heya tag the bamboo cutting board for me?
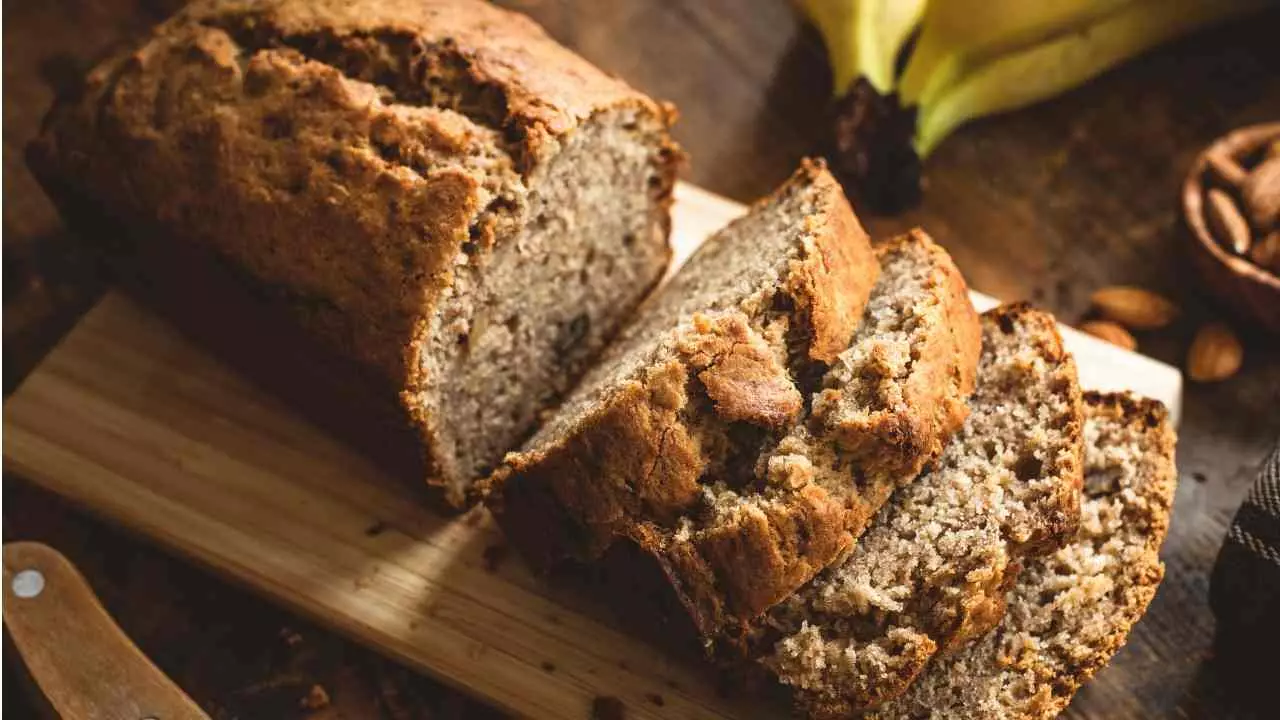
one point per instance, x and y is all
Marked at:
(131, 421)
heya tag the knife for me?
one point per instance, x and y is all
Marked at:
(81, 663)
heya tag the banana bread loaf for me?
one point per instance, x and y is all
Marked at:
(433, 188)
(932, 570)
(1068, 613)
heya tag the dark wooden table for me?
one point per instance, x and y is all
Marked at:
(1045, 204)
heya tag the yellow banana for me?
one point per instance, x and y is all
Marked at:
(863, 37)
(956, 34)
(971, 58)
(1018, 75)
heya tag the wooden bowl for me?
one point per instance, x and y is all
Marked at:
(1247, 289)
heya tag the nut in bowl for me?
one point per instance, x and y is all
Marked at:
(1231, 202)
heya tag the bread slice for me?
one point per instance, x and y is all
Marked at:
(918, 308)
(1069, 612)
(656, 446)
(433, 188)
(932, 570)
(887, 412)
(893, 397)
(709, 480)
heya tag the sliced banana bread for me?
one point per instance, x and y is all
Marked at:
(1068, 613)
(654, 445)
(933, 568)
(700, 461)
(434, 188)
(897, 393)
(889, 413)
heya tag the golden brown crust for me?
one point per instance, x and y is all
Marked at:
(646, 454)
(915, 657)
(546, 90)
(187, 107)
(733, 570)
(832, 284)
(195, 152)
(639, 455)
(635, 456)
(768, 551)
(340, 153)
(938, 394)
(634, 465)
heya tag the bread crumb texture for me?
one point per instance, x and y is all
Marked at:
(1068, 613)
(433, 188)
(932, 570)
(894, 397)
(659, 446)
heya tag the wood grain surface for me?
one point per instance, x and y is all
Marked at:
(1046, 204)
(78, 659)
(128, 419)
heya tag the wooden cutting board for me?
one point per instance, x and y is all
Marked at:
(134, 423)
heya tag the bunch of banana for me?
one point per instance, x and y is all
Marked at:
(980, 57)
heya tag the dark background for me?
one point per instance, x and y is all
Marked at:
(1046, 204)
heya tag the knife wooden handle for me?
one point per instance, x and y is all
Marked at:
(79, 659)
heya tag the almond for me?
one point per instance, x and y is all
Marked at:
(1134, 307)
(1261, 194)
(1224, 169)
(1226, 222)
(1266, 252)
(1215, 354)
(1113, 333)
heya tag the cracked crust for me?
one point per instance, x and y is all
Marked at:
(739, 372)
(659, 455)
(932, 572)
(498, 67)
(347, 160)
(1069, 612)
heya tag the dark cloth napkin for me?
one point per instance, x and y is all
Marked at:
(1245, 589)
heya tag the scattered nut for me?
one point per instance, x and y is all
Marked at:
(1113, 333)
(1226, 222)
(1225, 170)
(1215, 354)
(1266, 252)
(1261, 195)
(1134, 307)
(315, 699)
